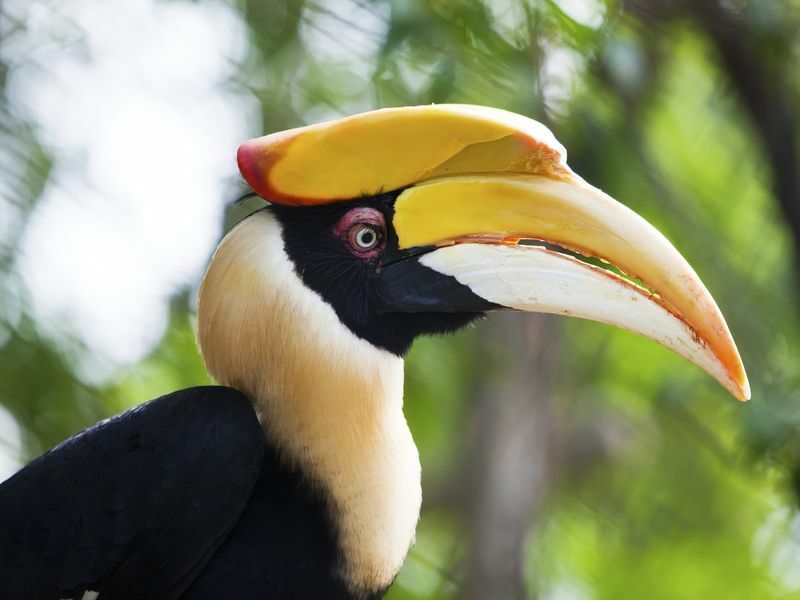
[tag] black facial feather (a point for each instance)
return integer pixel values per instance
(349, 283)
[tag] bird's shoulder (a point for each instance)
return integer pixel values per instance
(155, 489)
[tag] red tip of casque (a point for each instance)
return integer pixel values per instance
(247, 156)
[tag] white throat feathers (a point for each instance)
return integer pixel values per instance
(332, 402)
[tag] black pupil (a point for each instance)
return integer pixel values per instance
(367, 237)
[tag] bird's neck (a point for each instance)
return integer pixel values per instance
(330, 401)
(341, 421)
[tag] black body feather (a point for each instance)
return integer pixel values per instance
(181, 493)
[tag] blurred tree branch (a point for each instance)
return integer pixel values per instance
(753, 53)
(512, 454)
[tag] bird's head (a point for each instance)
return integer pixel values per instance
(417, 220)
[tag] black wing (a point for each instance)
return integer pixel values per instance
(134, 506)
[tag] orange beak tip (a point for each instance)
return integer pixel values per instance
(745, 391)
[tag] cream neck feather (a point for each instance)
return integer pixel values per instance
(330, 400)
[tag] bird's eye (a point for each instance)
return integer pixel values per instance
(362, 230)
(364, 237)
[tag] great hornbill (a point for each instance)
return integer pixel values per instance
(300, 479)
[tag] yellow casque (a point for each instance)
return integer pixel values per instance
(392, 148)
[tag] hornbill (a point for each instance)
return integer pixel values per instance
(297, 477)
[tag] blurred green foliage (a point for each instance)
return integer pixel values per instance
(669, 489)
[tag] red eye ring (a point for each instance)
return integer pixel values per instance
(363, 231)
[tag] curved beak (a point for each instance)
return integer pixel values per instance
(522, 242)
(491, 216)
